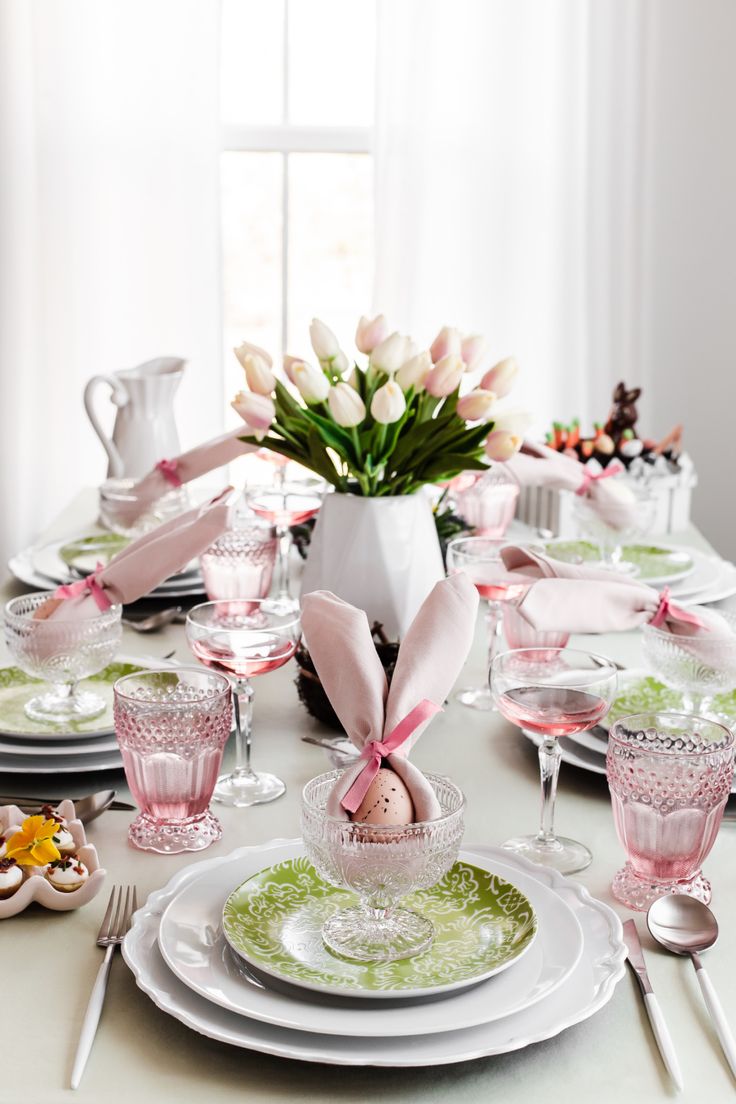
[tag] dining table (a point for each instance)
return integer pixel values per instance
(49, 959)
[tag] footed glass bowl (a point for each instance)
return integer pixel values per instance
(381, 864)
(700, 668)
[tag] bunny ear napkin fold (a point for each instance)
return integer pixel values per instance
(383, 723)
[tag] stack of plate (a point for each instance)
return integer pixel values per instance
(33, 747)
(692, 576)
(232, 948)
(48, 565)
(639, 692)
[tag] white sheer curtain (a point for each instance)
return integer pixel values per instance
(109, 144)
(505, 132)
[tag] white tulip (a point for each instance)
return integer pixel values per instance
(445, 376)
(258, 374)
(340, 363)
(473, 351)
(391, 353)
(447, 342)
(346, 405)
(370, 332)
(500, 378)
(476, 405)
(324, 342)
(311, 382)
(512, 421)
(247, 349)
(388, 403)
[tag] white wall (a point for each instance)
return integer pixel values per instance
(688, 301)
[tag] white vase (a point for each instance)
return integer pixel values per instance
(380, 554)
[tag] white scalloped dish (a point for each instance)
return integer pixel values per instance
(35, 887)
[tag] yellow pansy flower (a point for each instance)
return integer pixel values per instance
(34, 844)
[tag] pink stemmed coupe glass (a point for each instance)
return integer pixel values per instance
(172, 726)
(284, 505)
(670, 776)
(480, 559)
(242, 639)
(552, 692)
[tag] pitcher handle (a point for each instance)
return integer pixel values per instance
(119, 397)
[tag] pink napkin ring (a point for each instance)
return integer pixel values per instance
(665, 608)
(89, 585)
(168, 469)
(589, 477)
(376, 750)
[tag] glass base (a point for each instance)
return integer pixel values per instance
(359, 934)
(51, 707)
(170, 837)
(247, 788)
(477, 697)
(639, 893)
(566, 855)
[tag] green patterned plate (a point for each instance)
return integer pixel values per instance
(16, 688)
(643, 693)
(657, 564)
(85, 553)
(482, 924)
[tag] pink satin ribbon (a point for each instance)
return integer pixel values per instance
(666, 607)
(169, 472)
(589, 477)
(376, 750)
(89, 585)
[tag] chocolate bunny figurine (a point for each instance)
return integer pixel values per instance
(623, 412)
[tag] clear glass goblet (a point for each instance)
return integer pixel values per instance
(552, 692)
(611, 534)
(284, 505)
(241, 639)
(381, 864)
(239, 564)
(61, 650)
(698, 667)
(480, 559)
(670, 777)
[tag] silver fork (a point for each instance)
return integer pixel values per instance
(115, 924)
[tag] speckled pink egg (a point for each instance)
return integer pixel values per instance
(387, 801)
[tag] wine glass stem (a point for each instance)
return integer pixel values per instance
(549, 768)
(494, 618)
(243, 708)
(698, 704)
(284, 539)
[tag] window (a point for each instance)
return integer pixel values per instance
(297, 170)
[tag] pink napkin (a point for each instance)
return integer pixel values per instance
(579, 599)
(144, 563)
(430, 658)
(170, 474)
(540, 466)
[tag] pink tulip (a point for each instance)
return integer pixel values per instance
(447, 341)
(289, 364)
(501, 377)
(476, 405)
(388, 403)
(473, 351)
(371, 332)
(512, 421)
(258, 375)
(502, 445)
(445, 376)
(346, 405)
(256, 410)
(247, 349)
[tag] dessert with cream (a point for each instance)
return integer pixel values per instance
(67, 874)
(11, 877)
(62, 837)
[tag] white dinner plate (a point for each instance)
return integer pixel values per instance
(587, 989)
(21, 566)
(61, 764)
(191, 941)
(34, 749)
(709, 572)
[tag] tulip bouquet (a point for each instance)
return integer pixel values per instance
(390, 425)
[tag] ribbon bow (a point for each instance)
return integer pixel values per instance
(665, 608)
(168, 469)
(376, 750)
(589, 477)
(89, 585)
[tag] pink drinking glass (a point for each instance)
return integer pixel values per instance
(240, 563)
(489, 503)
(552, 692)
(670, 776)
(284, 505)
(242, 639)
(480, 559)
(172, 726)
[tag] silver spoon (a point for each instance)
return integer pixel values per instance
(85, 808)
(686, 926)
(154, 621)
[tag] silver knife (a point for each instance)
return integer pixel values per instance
(635, 956)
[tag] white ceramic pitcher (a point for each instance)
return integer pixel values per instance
(145, 429)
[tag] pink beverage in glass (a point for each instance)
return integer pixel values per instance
(172, 727)
(552, 710)
(520, 634)
(263, 652)
(488, 508)
(499, 591)
(240, 563)
(287, 508)
(670, 776)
